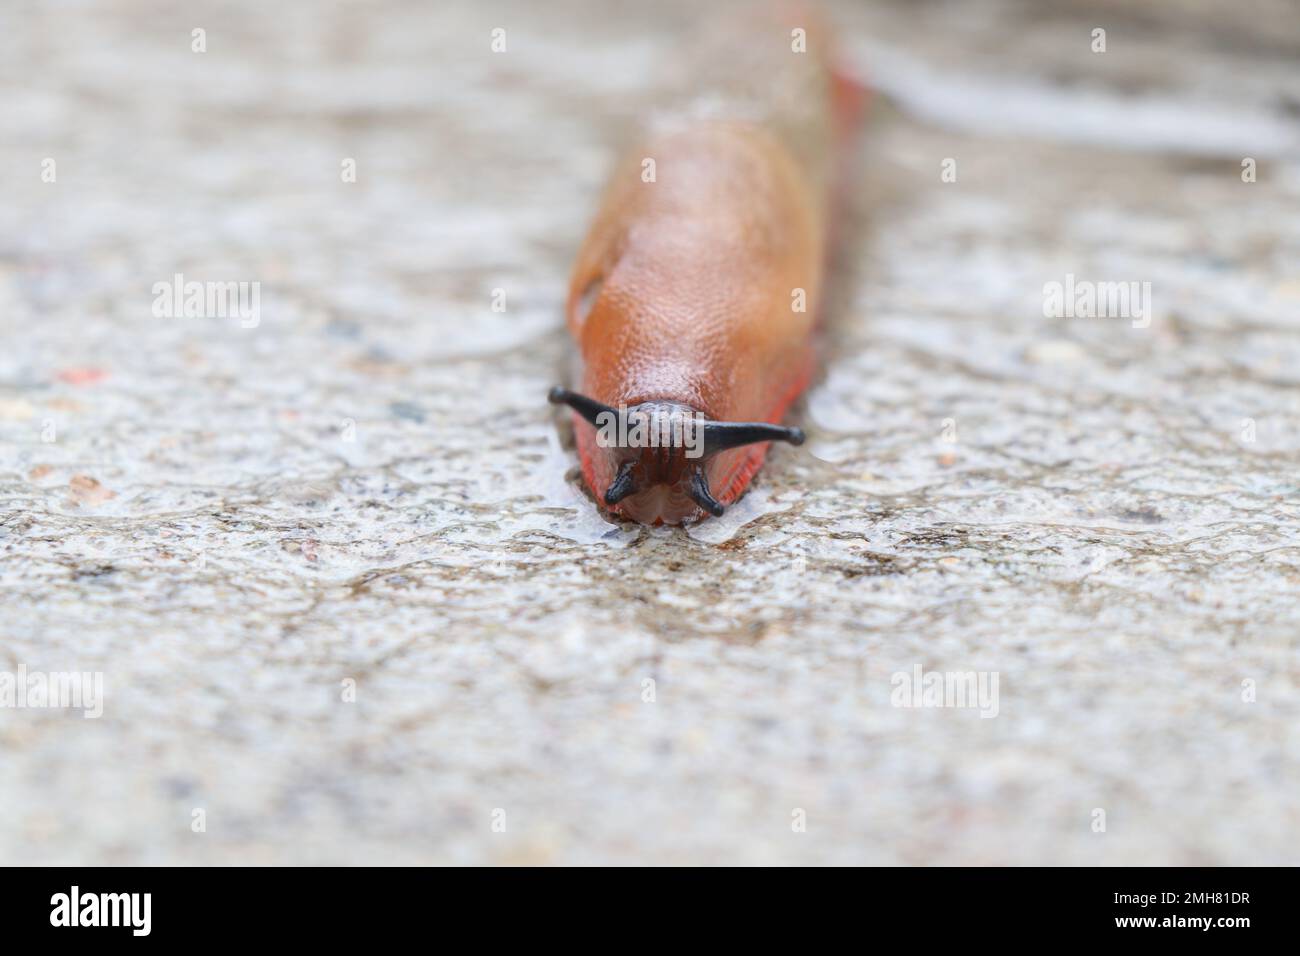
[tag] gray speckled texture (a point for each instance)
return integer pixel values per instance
(1100, 533)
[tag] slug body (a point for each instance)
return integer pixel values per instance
(695, 293)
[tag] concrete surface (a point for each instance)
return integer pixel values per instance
(232, 523)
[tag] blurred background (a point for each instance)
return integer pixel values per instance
(345, 589)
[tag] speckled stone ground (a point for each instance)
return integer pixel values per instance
(232, 524)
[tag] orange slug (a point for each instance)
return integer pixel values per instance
(694, 295)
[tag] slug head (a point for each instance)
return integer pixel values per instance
(659, 455)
